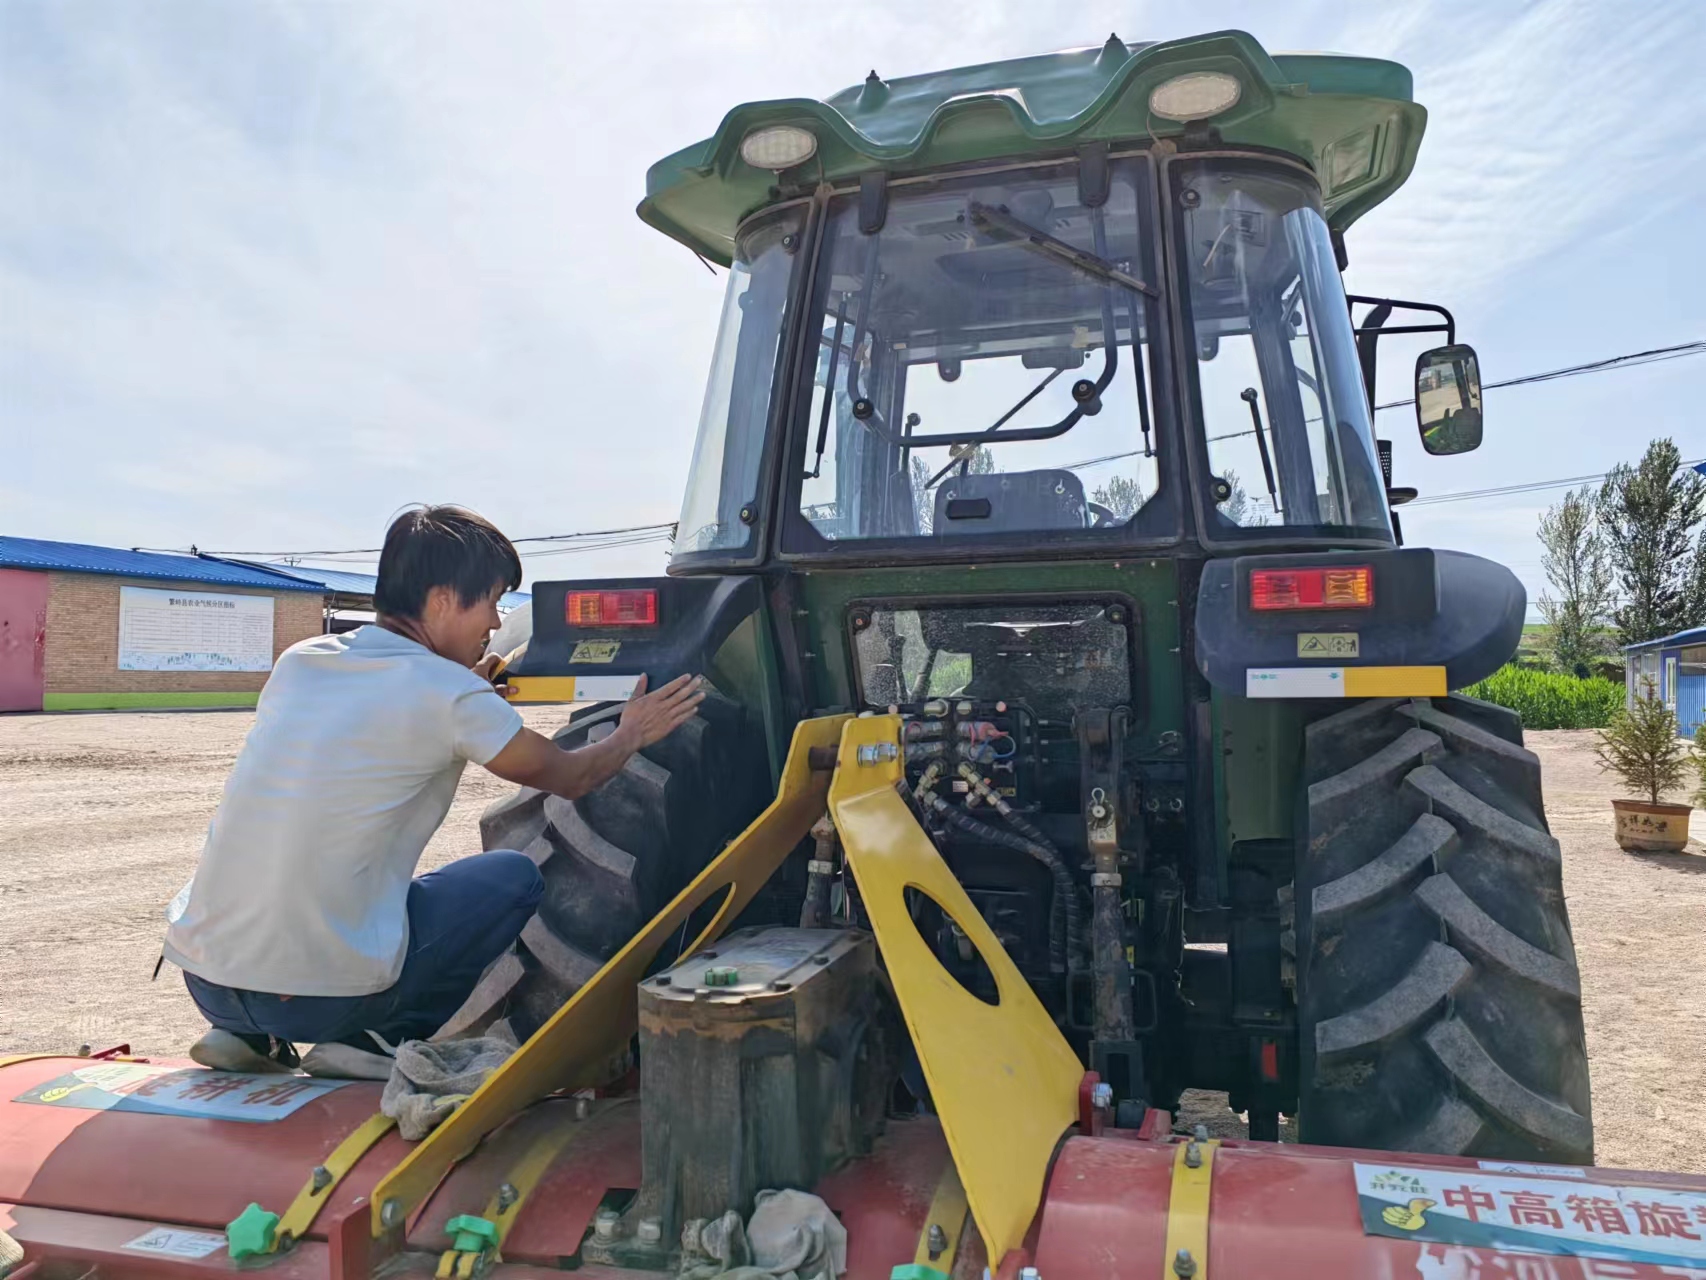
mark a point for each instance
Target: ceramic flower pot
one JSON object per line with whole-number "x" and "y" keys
{"x": 1643, "y": 827}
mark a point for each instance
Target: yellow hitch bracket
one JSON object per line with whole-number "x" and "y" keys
{"x": 323, "y": 1179}
{"x": 1187, "y": 1209}
{"x": 1003, "y": 1078}
{"x": 570, "y": 1050}
{"x": 948, "y": 1216}
{"x": 503, "y": 1210}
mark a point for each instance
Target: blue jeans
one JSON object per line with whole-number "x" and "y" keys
{"x": 461, "y": 918}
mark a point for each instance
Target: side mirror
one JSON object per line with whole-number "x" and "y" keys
{"x": 1448, "y": 399}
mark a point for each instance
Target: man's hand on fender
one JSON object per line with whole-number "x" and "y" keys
{"x": 651, "y": 717}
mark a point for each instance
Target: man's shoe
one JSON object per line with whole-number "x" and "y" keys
{"x": 337, "y": 1060}
{"x": 253, "y": 1055}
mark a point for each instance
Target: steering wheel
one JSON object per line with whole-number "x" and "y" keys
{"x": 1104, "y": 516}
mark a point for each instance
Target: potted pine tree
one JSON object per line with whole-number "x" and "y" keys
{"x": 1642, "y": 748}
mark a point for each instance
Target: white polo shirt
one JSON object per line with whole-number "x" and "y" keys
{"x": 358, "y": 744}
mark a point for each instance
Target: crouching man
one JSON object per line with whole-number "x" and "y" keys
{"x": 304, "y": 923}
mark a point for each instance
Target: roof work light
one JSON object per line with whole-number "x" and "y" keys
{"x": 778, "y": 147}
{"x": 1196, "y": 95}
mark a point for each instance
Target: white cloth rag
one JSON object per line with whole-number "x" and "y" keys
{"x": 792, "y": 1235}
{"x": 430, "y": 1080}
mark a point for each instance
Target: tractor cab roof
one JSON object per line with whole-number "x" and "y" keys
{"x": 1352, "y": 120}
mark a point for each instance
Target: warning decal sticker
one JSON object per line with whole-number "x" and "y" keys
{"x": 1533, "y": 1214}
{"x": 177, "y": 1244}
{"x": 180, "y": 1091}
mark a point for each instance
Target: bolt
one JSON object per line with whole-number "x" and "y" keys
{"x": 319, "y": 1178}
{"x": 1030, "y": 1273}
{"x": 1193, "y": 1156}
{"x": 391, "y": 1213}
{"x": 583, "y": 1108}
{"x": 1184, "y": 1265}
{"x": 1201, "y": 1133}
{"x": 284, "y": 1242}
{"x": 507, "y": 1196}
{"x": 83, "y": 1051}
{"x": 1102, "y": 1096}
{"x": 649, "y": 1230}
{"x": 877, "y": 752}
{"x": 937, "y": 1241}
{"x": 604, "y": 1225}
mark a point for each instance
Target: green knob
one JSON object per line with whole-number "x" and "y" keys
{"x": 250, "y": 1233}
{"x": 471, "y": 1234}
{"x": 917, "y": 1271}
{"x": 722, "y": 975}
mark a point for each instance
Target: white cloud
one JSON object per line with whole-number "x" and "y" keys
{"x": 268, "y": 272}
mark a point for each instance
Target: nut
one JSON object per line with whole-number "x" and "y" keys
{"x": 649, "y": 1230}
{"x": 604, "y": 1224}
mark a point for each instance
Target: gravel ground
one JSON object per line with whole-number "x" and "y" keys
{"x": 101, "y": 816}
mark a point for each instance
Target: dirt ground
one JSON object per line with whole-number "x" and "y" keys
{"x": 101, "y": 817}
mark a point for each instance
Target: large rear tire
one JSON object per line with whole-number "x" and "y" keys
{"x": 614, "y": 857}
{"x": 1439, "y": 1003}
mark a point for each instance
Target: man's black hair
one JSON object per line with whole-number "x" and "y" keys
{"x": 429, "y": 547}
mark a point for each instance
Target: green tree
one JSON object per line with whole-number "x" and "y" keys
{"x": 1122, "y": 495}
{"x": 1642, "y": 748}
{"x": 1579, "y": 568}
{"x": 1697, "y": 758}
{"x": 1648, "y": 513}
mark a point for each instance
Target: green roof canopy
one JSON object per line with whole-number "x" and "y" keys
{"x": 1353, "y": 120}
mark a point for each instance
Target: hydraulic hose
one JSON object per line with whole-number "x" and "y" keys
{"x": 1060, "y": 942}
{"x": 1023, "y": 825}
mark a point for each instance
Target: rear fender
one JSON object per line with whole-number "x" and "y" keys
{"x": 695, "y": 616}
{"x": 1431, "y": 609}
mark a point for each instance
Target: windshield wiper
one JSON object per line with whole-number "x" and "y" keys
{"x": 1040, "y": 241}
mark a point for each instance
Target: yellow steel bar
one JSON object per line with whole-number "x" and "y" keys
{"x": 323, "y": 1180}
{"x": 1395, "y": 682}
{"x": 1187, "y": 1208}
{"x": 947, "y": 1211}
{"x": 503, "y": 1209}
{"x": 542, "y": 688}
{"x": 1002, "y": 1077}
{"x": 599, "y": 1019}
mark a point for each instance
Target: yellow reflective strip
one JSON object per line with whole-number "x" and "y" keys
{"x": 560, "y": 1129}
{"x": 1395, "y": 682}
{"x": 36, "y": 1057}
{"x": 570, "y": 1050}
{"x": 300, "y": 1216}
{"x": 1187, "y": 1208}
{"x": 948, "y": 1211}
{"x": 542, "y": 688}
{"x": 1003, "y": 1078}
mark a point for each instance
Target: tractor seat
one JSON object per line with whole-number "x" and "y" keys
{"x": 1010, "y": 501}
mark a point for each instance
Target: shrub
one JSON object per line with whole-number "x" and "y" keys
{"x": 1547, "y": 700}
{"x": 1641, "y": 748}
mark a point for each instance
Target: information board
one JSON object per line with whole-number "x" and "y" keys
{"x": 193, "y": 631}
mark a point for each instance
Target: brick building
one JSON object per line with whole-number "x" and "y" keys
{"x": 85, "y": 627}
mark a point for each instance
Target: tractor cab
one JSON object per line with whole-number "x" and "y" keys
{"x": 1087, "y": 350}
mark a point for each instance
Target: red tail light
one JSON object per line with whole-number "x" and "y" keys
{"x": 1334, "y": 587}
{"x": 611, "y": 608}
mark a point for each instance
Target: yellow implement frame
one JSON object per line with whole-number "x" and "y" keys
{"x": 599, "y": 1019}
{"x": 1003, "y": 1078}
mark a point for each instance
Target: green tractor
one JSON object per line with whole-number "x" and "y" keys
{"x": 1040, "y": 427}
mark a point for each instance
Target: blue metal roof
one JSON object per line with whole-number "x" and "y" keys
{"x": 80, "y": 557}
{"x": 1694, "y": 635}
{"x": 354, "y": 584}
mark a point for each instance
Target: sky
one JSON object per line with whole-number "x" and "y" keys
{"x": 271, "y": 271}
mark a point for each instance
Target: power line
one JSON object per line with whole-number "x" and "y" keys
{"x": 1596, "y": 366}
{"x": 1532, "y": 487}
{"x": 1630, "y": 360}
{"x": 653, "y": 530}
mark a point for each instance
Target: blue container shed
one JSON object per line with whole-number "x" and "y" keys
{"x": 1676, "y": 666}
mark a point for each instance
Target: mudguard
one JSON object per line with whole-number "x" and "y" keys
{"x": 1432, "y": 610}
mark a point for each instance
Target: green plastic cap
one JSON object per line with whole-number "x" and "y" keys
{"x": 471, "y": 1234}
{"x": 722, "y": 975}
{"x": 917, "y": 1271}
{"x": 250, "y": 1233}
